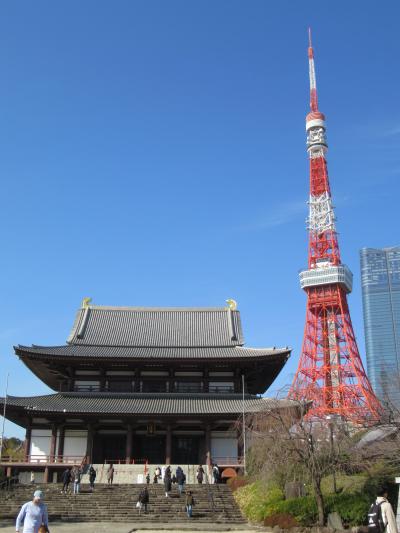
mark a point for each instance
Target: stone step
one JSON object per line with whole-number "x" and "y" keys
{"x": 118, "y": 503}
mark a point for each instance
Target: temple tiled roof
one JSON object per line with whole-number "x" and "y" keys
{"x": 157, "y": 327}
{"x": 137, "y": 352}
{"x": 146, "y": 404}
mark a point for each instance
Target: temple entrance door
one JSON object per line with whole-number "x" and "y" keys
{"x": 109, "y": 447}
{"x": 185, "y": 450}
{"x": 150, "y": 447}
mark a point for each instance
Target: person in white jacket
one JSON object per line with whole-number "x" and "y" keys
{"x": 388, "y": 516}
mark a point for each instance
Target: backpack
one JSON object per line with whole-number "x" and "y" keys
{"x": 375, "y": 520}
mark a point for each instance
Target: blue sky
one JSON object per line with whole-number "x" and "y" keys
{"x": 152, "y": 153}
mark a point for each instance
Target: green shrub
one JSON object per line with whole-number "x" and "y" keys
{"x": 303, "y": 510}
{"x": 253, "y": 499}
{"x": 352, "y": 508}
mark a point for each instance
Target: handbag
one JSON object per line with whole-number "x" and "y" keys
{"x": 43, "y": 529}
{"x": 138, "y": 505}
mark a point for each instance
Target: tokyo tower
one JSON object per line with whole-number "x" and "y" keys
{"x": 330, "y": 371}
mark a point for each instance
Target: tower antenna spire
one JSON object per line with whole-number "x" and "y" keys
{"x": 311, "y": 68}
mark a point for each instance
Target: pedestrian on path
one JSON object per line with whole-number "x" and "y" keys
{"x": 77, "y": 475}
{"x": 33, "y": 515}
{"x": 66, "y": 479}
{"x": 110, "y": 474}
{"x": 180, "y": 479}
{"x": 189, "y": 504}
{"x": 92, "y": 477}
{"x": 387, "y": 518}
{"x": 200, "y": 475}
{"x": 167, "y": 482}
{"x": 215, "y": 473}
{"x": 143, "y": 500}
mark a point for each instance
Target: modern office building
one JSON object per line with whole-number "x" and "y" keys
{"x": 380, "y": 280}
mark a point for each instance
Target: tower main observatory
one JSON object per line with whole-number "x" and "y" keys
{"x": 330, "y": 372}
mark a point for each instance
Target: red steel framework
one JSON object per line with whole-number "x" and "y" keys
{"x": 330, "y": 371}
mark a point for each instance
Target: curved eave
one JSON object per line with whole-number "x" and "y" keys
{"x": 57, "y": 406}
{"x": 49, "y": 364}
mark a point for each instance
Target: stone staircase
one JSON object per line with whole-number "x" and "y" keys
{"x": 213, "y": 504}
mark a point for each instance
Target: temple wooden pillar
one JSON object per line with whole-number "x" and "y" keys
{"x": 208, "y": 445}
{"x": 60, "y": 450}
{"x": 89, "y": 444}
{"x": 53, "y": 441}
{"x": 168, "y": 445}
{"x": 27, "y": 443}
{"x": 129, "y": 441}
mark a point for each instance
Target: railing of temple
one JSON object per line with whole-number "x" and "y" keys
{"x": 134, "y": 461}
{"x": 161, "y": 388}
{"x": 46, "y": 459}
{"x": 228, "y": 461}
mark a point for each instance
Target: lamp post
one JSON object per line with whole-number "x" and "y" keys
{"x": 4, "y": 418}
{"x": 331, "y": 445}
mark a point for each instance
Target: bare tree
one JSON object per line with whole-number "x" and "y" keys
{"x": 286, "y": 445}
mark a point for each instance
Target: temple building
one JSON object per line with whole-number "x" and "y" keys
{"x": 134, "y": 384}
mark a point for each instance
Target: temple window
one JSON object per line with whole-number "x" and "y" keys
{"x": 86, "y": 386}
{"x": 221, "y": 387}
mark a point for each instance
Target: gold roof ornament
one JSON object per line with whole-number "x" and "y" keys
{"x": 85, "y": 303}
{"x": 232, "y": 304}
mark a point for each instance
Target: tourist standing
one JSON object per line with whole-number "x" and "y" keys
{"x": 158, "y": 472}
{"x": 189, "y": 504}
{"x": 167, "y": 482}
{"x": 200, "y": 474}
{"x": 92, "y": 477}
{"x": 388, "y": 517}
{"x": 148, "y": 478}
{"x": 180, "y": 479}
{"x": 77, "y": 474}
{"x": 143, "y": 499}
{"x": 215, "y": 472}
{"x": 32, "y": 477}
{"x": 33, "y": 515}
{"x": 110, "y": 474}
{"x": 155, "y": 479}
{"x": 66, "y": 479}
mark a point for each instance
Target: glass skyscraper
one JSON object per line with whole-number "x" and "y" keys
{"x": 380, "y": 280}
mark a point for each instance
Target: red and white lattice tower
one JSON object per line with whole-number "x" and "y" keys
{"x": 330, "y": 371}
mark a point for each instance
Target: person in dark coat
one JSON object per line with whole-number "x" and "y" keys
{"x": 180, "y": 479}
{"x": 143, "y": 499}
{"x": 66, "y": 479}
{"x": 189, "y": 503}
{"x": 155, "y": 478}
{"x": 167, "y": 482}
{"x": 92, "y": 477}
{"x": 200, "y": 475}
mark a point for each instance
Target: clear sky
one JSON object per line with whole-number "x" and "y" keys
{"x": 152, "y": 153}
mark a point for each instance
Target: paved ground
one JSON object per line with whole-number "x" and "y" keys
{"x": 101, "y": 527}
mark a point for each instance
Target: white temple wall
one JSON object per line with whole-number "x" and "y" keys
{"x": 40, "y": 445}
{"x": 75, "y": 441}
{"x": 223, "y": 444}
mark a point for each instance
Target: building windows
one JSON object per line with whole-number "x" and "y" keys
{"x": 380, "y": 280}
